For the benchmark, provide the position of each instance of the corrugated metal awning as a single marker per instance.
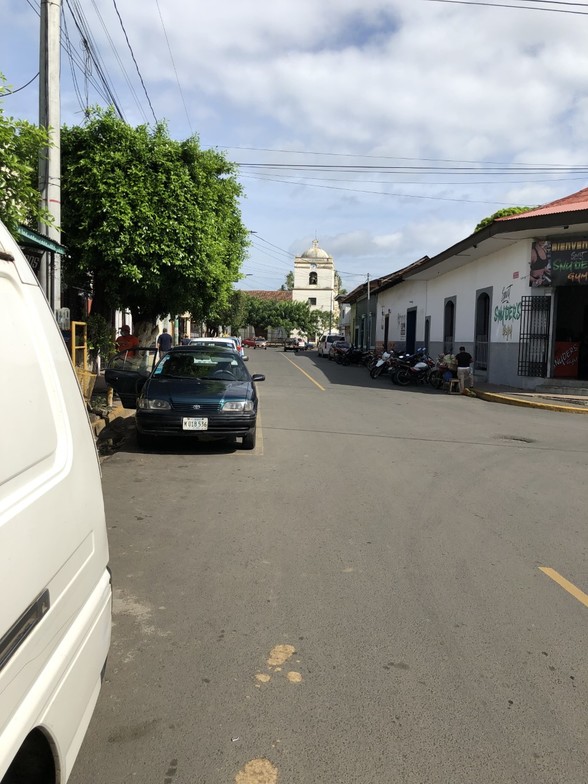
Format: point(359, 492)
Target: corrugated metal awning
point(31, 237)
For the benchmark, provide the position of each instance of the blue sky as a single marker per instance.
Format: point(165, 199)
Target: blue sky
point(407, 120)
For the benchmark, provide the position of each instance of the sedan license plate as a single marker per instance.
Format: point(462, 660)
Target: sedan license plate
point(194, 423)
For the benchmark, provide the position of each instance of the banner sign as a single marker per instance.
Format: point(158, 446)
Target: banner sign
point(569, 262)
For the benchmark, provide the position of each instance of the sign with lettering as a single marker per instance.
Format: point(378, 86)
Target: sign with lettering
point(565, 360)
point(569, 262)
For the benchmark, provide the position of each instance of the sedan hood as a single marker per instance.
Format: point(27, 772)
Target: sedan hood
point(183, 391)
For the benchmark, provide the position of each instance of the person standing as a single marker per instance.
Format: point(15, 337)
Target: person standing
point(464, 373)
point(164, 342)
point(126, 341)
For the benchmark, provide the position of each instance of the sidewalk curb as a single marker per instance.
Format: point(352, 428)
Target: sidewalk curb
point(116, 412)
point(493, 397)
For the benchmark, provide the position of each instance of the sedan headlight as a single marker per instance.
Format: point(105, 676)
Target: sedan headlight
point(154, 404)
point(238, 405)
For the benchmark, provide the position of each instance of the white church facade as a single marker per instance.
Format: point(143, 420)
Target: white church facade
point(316, 283)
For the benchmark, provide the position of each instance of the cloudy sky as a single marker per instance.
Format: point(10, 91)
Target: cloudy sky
point(386, 130)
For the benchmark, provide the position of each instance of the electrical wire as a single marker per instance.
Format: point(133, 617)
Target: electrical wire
point(135, 60)
point(378, 193)
point(174, 66)
point(517, 7)
point(18, 89)
point(92, 54)
point(120, 62)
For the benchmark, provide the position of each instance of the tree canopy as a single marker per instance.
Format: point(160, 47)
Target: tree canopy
point(152, 224)
point(21, 144)
point(501, 214)
point(287, 315)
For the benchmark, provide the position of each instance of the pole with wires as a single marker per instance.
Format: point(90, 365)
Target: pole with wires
point(369, 315)
point(50, 159)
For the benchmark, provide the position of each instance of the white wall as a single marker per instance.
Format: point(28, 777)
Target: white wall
point(496, 271)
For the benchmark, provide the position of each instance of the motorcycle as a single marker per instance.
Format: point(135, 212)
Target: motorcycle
point(352, 356)
point(419, 373)
point(412, 369)
point(382, 364)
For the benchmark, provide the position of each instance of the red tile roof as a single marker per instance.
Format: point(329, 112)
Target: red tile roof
point(276, 296)
point(574, 203)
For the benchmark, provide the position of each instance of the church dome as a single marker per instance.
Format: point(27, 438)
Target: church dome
point(315, 252)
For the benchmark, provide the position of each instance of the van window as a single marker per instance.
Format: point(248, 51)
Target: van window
point(28, 432)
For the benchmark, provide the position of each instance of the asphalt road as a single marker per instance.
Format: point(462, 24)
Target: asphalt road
point(359, 600)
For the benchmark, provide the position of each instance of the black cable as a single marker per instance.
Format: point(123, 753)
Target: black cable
point(120, 62)
point(378, 193)
point(18, 89)
point(92, 52)
point(517, 7)
point(174, 66)
point(134, 59)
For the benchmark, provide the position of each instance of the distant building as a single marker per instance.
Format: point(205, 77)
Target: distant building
point(315, 281)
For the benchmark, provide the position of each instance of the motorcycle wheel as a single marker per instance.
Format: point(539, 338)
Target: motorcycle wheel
point(393, 374)
point(338, 359)
point(436, 379)
point(375, 372)
point(403, 378)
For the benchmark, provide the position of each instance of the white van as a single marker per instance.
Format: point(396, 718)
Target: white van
point(55, 612)
point(325, 342)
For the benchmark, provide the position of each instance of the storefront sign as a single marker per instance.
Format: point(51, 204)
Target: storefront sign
point(569, 262)
point(565, 362)
point(540, 264)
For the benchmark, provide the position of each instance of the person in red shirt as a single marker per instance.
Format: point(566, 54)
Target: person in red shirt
point(126, 341)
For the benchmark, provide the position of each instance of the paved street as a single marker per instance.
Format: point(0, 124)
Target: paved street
point(357, 601)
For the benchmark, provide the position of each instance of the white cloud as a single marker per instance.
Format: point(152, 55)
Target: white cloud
point(414, 83)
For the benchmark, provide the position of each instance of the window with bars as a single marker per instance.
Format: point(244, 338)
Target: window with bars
point(534, 336)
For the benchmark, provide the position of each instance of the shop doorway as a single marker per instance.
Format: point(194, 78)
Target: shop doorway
point(411, 317)
point(570, 356)
point(482, 331)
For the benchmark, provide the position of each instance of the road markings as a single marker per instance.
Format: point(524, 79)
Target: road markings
point(257, 771)
point(310, 378)
point(566, 585)
point(280, 654)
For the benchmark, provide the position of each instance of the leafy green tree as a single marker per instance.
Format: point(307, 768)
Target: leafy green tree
point(501, 214)
point(289, 283)
point(233, 313)
point(289, 316)
point(21, 144)
point(152, 223)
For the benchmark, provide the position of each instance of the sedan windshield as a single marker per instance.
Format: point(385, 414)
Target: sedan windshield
point(202, 365)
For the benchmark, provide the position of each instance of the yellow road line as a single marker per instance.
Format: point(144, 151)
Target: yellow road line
point(565, 584)
point(310, 378)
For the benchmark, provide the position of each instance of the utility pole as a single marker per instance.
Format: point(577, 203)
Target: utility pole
point(50, 160)
point(369, 315)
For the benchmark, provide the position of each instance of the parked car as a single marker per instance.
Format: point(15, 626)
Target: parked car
point(204, 392)
point(325, 341)
point(338, 347)
point(249, 342)
point(228, 342)
point(295, 344)
point(260, 343)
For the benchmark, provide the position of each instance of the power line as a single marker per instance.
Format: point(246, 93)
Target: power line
point(134, 59)
point(119, 60)
point(174, 66)
point(379, 193)
point(18, 89)
point(389, 157)
point(361, 169)
point(92, 54)
point(518, 7)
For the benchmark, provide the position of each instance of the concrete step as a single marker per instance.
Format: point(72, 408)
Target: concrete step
point(575, 387)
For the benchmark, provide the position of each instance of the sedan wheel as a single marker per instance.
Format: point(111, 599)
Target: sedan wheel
point(249, 439)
